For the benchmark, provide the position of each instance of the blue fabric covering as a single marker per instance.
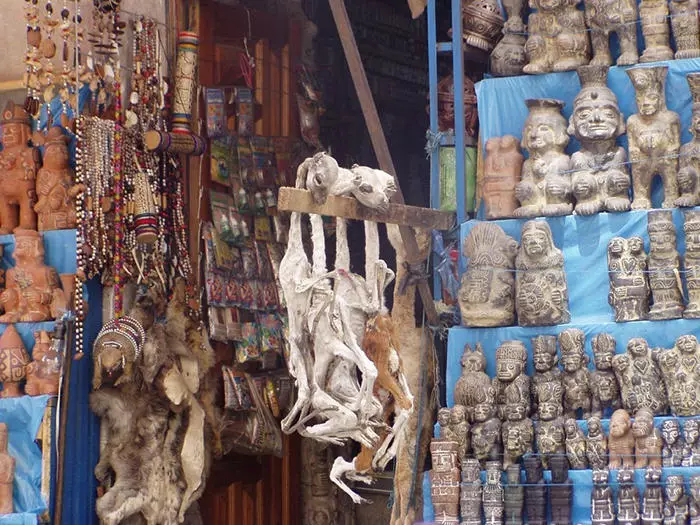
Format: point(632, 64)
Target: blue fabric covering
point(18, 519)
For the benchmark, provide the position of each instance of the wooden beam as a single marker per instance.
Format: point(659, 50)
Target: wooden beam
point(292, 199)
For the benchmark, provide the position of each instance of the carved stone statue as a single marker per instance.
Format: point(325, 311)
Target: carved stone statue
point(689, 161)
point(444, 481)
point(653, 501)
point(544, 357)
point(545, 186)
point(640, 380)
point(575, 445)
point(691, 449)
point(653, 134)
point(664, 267)
point(676, 504)
point(621, 441)
point(542, 296)
point(576, 377)
point(511, 382)
point(596, 445)
point(508, 57)
point(691, 263)
point(474, 383)
point(686, 30)
point(44, 372)
point(7, 473)
point(514, 496)
point(627, 498)
point(629, 281)
point(602, 510)
point(13, 361)
point(470, 499)
point(557, 37)
point(32, 288)
point(502, 168)
point(459, 427)
point(550, 439)
point(535, 491)
point(672, 452)
point(694, 504)
point(19, 163)
point(654, 17)
point(518, 432)
point(601, 180)
point(647, 440)
point(604, 18)
point(604, 388)
point(560, 491)
point(486, 430)
point(680, 367)
point(487, 291)
point(492, 497)
point(550, 396)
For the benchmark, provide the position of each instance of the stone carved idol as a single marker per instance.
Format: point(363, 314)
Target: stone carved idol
point(544, 357)
point(676, 504)
point(486, 440)
point(601, 180)
point(686, 30)
point(596, 445)
point(511, 383)
point(664, 267)
point(691, 449)
point(514, 496)
point(541, 292)
point(689, 160)
point(691, 263)
point(550, 438)
point(575, 445)
point(502, 168)
point(694, 504)
point(470, 498)
point(653, 135)
point(604, 388)
point(648, 443)
point(654, 17)
point(672, 452)
point(560, 491)
point(444, 481)
point(474, 384)
point(603, 18)
point(517, 432)
point(492, 496)
point(653, 501)
point(459, 427)
point(602, 510)
point(627, 498)
point(629, 281)
point(557, 37)
point(486, 294)
point(508, 57)
point(545, 186)
point(621, 441)
point(576, 377)
point(680, 367)
point(535, 491)
point(640, 379)
point(7, 473)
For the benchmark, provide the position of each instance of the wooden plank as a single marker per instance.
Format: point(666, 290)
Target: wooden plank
point(293, 199)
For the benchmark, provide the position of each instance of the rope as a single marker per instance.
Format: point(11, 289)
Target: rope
point(432, 142)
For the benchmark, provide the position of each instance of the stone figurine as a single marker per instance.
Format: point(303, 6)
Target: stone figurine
point(627, 498)
point(672, 451)
point(680, 367)
point(575, 445)
point(676, 504)
point(508, 57)
point(502, 168)
point(13, 362)
point(545, 186)
point(7, 472)
point(470, 497)
point(691, 263)
point(576, 377)
point(604, 18)
point(596, 445)
point(445, 480)
point(629, 280)
point(474, 384)
point(654, 18)
point(44, 372)
point(560, 491)
point(550, 439)
point(648, 442)
point(542, 297)
point(653, 135)
point(459, 427)
point(689, 160)
point(691, 449)
point(621, 441)
point(602, 510)
point(511, 383)
point(486, 430)
point(517, 432)
point(638, 374)
point(557, 37)
point(487, 291)
point(482, 24)
point(514, 496)
point(544, 357)
point(653, 501)
point(549, 396)
point(535, 491)
point(685, 27)
point(492, 495)
point(604, 388)
point(664, 267)
point(694, 500)
point(601, 179)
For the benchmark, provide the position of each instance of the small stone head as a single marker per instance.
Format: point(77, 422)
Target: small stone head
point(533, 468)
point(620, 423)
point(444, 454)
point(573, 356)
point(687, 344)
point(601, 477)
point(549, 397)
point(662, 232)
point(545, 127)
point(537, 239)
point(513, 475)
point(473, 360)
point(596, 115)
point(485, 406)
point(544, 352)
point(674, 488)
point(671, 431)
point(571, 429)
point(652, 474)
point(695, 488)
point(625, 476)
point(648, 85)
point(444, 417)
point(616, 246)
point(691, 431)
point(515, 411)
point(458, 415)
point(514, 440)
point(511, 357)
point(595, 427)
point(603, 351)
point(493, 472)
point(485, 437)
point(643, 423)
point(635, 245)
point(638, 347)
point(559, 465)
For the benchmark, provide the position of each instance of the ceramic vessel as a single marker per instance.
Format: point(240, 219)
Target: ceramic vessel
point(621, 441)
point(560, 491)
point(689, 161)
point(664, 267)
point(604, 388)
point(653, 501)
point(474, 384)
point(470, 497)
point(627, 498)
point(575, 377)
point(7, 473)
point(535, 491)
point(647, 440)
point(672, 452)
point(596, 445)
point(691, 263)
point(686, 30)
point(604, 18)
point(482, 23)
point(44, 372)
point(681, 372)
point(602, 510)
point(502, 168)
point(629, 279)
point(13, 362)
point(508, 57)
point(444, 481)
point(492, 496)
point(641, 383)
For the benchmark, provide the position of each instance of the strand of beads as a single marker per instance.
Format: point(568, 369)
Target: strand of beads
point(81, 272)
point(119, 211)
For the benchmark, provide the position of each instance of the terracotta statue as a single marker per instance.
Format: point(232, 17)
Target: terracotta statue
point(629, 280)
point(654, 17)
point(676, 504)
point(7, 473)
point(686, 29)
point(502, 168)
point(601, 180)
point(486, 294)
point(575, 445)
point(596, 445)
point(691, 449)
point(514, 496)
point(511, 382)
point(474, 382)
point(444, 481)
point(604, 18)
point(672, 452)
point(19, 163)
point(691, 263)
point(689, 161)
point(694, 504)
point(647, 440)
point(459, 427)
point(32, 288)
point(604, 388)
point(653, 501)
point(621, 441)
point(653, 134)
point(486, 430)
point(508, 57)
point(535, 491)
point(482, 23)
point(13, 362)
point(640, 379)
point(664, 267)
point(557, 37)
point(560, 491)
point(492, 495)
point(602, 510)
point(446, 105)
point(550, 439)
point(544, 357)
point(576, 377)
point(44, 371)
point(627, 498)
point(470, 497)
point(517, 432)
point(680, 367)
point(54, 183)
point(545, 186)
point(542, 297)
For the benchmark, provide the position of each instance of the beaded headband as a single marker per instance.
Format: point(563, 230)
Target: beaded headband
point(127, 327)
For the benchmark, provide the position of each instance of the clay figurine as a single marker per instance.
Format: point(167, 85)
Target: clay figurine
point(470, 498)
point(601, 180)
point(482, 23)
point(7, 473)
point(508, 57)
point(654, 17)
point(691, 263)
point(19, 163)
point(557, 37)
point(544, 357)
point(653, 135)
point(627, 498)
point(486, 430)
point(550, 439)
point(514, 496)
point(444, 481)
point(535, 491)
point(487, 291)
point(517, 432)
point(694, 503)
point(560, 491)
point(511, 382)
point(680, 367)
point(596, 445)
point(685, 27)
point(641, 383)
point(604, 388)
point(672, 452)
point(576, 377)
point(676, 504)
point(602, 510)
point(446, 105)
point(545, 186)
point(691, 449)
point(473, 381)
point(13, 361)
point(492, 495)
point(502, 168)
point(648, 443)
point(653, 501)
point(689, 161)
point(621, 441)
point(44, 372)
point(542, 297)
point(575, 445)
point(604, 18)
point(629, 280)
point(664, 267)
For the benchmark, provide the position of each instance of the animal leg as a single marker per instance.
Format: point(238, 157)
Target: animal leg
point(341, 468)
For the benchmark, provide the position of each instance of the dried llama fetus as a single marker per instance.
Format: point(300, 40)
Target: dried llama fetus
point(508, 57)
point(621, 441)
point(544, 357)
point(492, 495)
point(575, 445)
point(511, 383)
point(681, 372)
point(487, 291)
point(654, 136)
point(604, 18)
point(601, 180)
point(470, 496)
point(672, 451)
point(654, 17)
point(653, 501)
point(13, 362)
point(676, 504)
point(685, 27)
point(641, 383)
point(691, 263)
point(7, 473)
point(444, 481)
point(629, 280)
point(691, 449)
point(604, 387)
point(474, 381)
point(602, 510)
point(664, 267)
point(545, 185)
point(576, 377)
point(596, 445)
point(647, 440)
point(502, 168)
point(627, 498)
point(560, 491)
point(514, 496)
point(689, 160)
point(535, 491)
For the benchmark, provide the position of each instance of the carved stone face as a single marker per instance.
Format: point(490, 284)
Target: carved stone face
point(493, 475)
point(619, 423)
point(594, 427)
point(444, 417)
point(616, 245)
point(514, 441)
point(535, 242)
point(548, 410)
point(687, 344)
point(533, 469)
point(484, 437)
point(571, 428)
point(484, 412)
point(508, 369)
point(648, 101)
point(28, 247)
point(674, 488)
point(636, 245)
point(458, 415)
point(596, 117)
point(690, 431)
point(662, 240)
point(515, 412)
point(602, 357)
point(572, 361)
point(670, 430)
point(606, 388)
point(692, 238)
point(473, 363)
point(542, 359)
point(695, 488)
point(642, 424)
point(638, 347)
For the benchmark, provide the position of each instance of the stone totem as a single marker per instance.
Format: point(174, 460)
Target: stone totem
point(672, 452)
point(680, 367)
point(492, 495)
point(654, 17)
point(535, 492)
point(550, 427)
point(629, 280)
point(596, 445)
point(544, 357)
point(603, 18)
point(511, 382)
point(664, 267)
point(602, 510)
point(474, 384)
point(676, 504)
point(686, 30)
point(627, 498)
point(641, 383)
point(444, 481)
point(502, 168)
point(691, 263)
point(560, 491)
point(604, 388)
point(514, 496)
point(576, 377)
point(470, 498)
point(689, 161)
point(518, 432)
point(653, 502)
